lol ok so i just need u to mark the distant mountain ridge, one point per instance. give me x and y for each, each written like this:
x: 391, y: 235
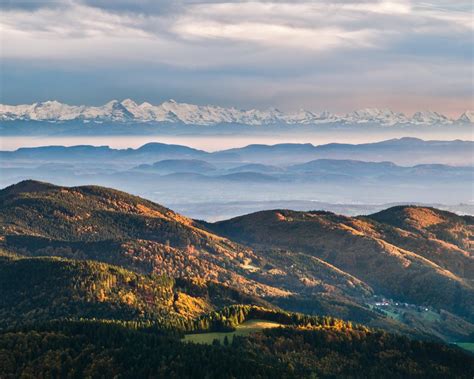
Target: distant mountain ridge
x: 207, y: 115
x: 405, y: 151
x: 205, y: 185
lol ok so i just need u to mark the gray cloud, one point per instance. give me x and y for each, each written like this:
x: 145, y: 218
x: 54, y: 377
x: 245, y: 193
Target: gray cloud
x: 283, y: 52
x: 146, y: 7
x: 31, y: 5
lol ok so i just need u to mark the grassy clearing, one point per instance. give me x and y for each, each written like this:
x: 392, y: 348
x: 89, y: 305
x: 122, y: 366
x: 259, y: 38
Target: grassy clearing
x: 469, y: 346
x: 397, y: 312
x: 244, y: 329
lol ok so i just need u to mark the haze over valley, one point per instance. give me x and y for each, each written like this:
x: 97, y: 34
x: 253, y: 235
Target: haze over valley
x: 345, y: 178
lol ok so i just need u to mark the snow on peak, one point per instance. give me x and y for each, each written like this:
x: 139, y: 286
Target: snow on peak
x: 175, y: 112
x: 467, y: 117
x: 129, y: 103
x: 375, y: 115
x: 429, y: 118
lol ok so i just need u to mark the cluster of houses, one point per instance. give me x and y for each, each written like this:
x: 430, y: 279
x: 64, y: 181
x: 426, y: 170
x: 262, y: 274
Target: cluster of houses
x: 382, y: 302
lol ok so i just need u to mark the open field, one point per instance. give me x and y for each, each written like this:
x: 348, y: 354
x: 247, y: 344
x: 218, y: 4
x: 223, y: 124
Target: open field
x: 469, y: 346
x: 244, y: 329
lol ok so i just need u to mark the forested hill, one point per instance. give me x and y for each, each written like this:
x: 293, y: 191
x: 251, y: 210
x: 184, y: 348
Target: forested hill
x: 111, y: 226
x: 98, y: 283
x: 314, y: 262
x: 413, y: 254
x: 92, y: 349
x: 52, y: 288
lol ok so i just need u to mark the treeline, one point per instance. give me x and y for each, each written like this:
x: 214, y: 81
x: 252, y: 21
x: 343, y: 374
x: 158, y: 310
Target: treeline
x: 103, y: 350
x: 42, y: 289
x: 95, y: 349
x: 94, y: 214
x: 230, y: 317
x: 51, y: 288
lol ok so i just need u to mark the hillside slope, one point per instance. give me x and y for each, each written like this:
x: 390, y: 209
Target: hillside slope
x: 403, y: 264
x: 432, y: 224
x: 106, y: 225
x: 95, y: 223
x: 91, y: 349
x: 51, y: 288
x: 314, y: 262
x: 111, y: 226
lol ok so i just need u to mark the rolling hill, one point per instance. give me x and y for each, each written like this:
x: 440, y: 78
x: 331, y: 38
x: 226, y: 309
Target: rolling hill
x: 402, y: 151
x: 52, y: 288
x: 169, y: 166
x: 39, y: 219
x: 313, y: 261
x: 93, y: 349
x: 409, y: 265
x: 114, y: 227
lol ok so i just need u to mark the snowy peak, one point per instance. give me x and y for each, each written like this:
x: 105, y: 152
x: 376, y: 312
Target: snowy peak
x: 467, y: 117
x: 112, y: 111
x: 172, y: 111
x: 374, y: 115
x: 129, y: 103
x: 48, y: 110
x: 429, y: 118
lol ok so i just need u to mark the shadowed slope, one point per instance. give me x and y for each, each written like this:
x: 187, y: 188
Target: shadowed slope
x: 360, y: 248
x: 313, y: 261
x: 49, y: 288
x: 112, y: 226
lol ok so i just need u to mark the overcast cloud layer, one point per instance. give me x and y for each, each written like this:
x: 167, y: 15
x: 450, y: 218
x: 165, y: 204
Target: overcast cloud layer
x: 336, y: 55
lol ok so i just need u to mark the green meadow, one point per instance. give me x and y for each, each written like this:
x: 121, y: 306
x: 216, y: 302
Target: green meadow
x: 469, y: 346
x: 243, y: 329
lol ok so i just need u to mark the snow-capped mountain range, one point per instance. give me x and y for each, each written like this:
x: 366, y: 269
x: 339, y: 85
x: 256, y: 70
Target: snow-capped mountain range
x: 190, y: 114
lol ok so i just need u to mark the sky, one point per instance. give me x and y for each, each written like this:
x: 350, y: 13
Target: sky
x: 406, y: 55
